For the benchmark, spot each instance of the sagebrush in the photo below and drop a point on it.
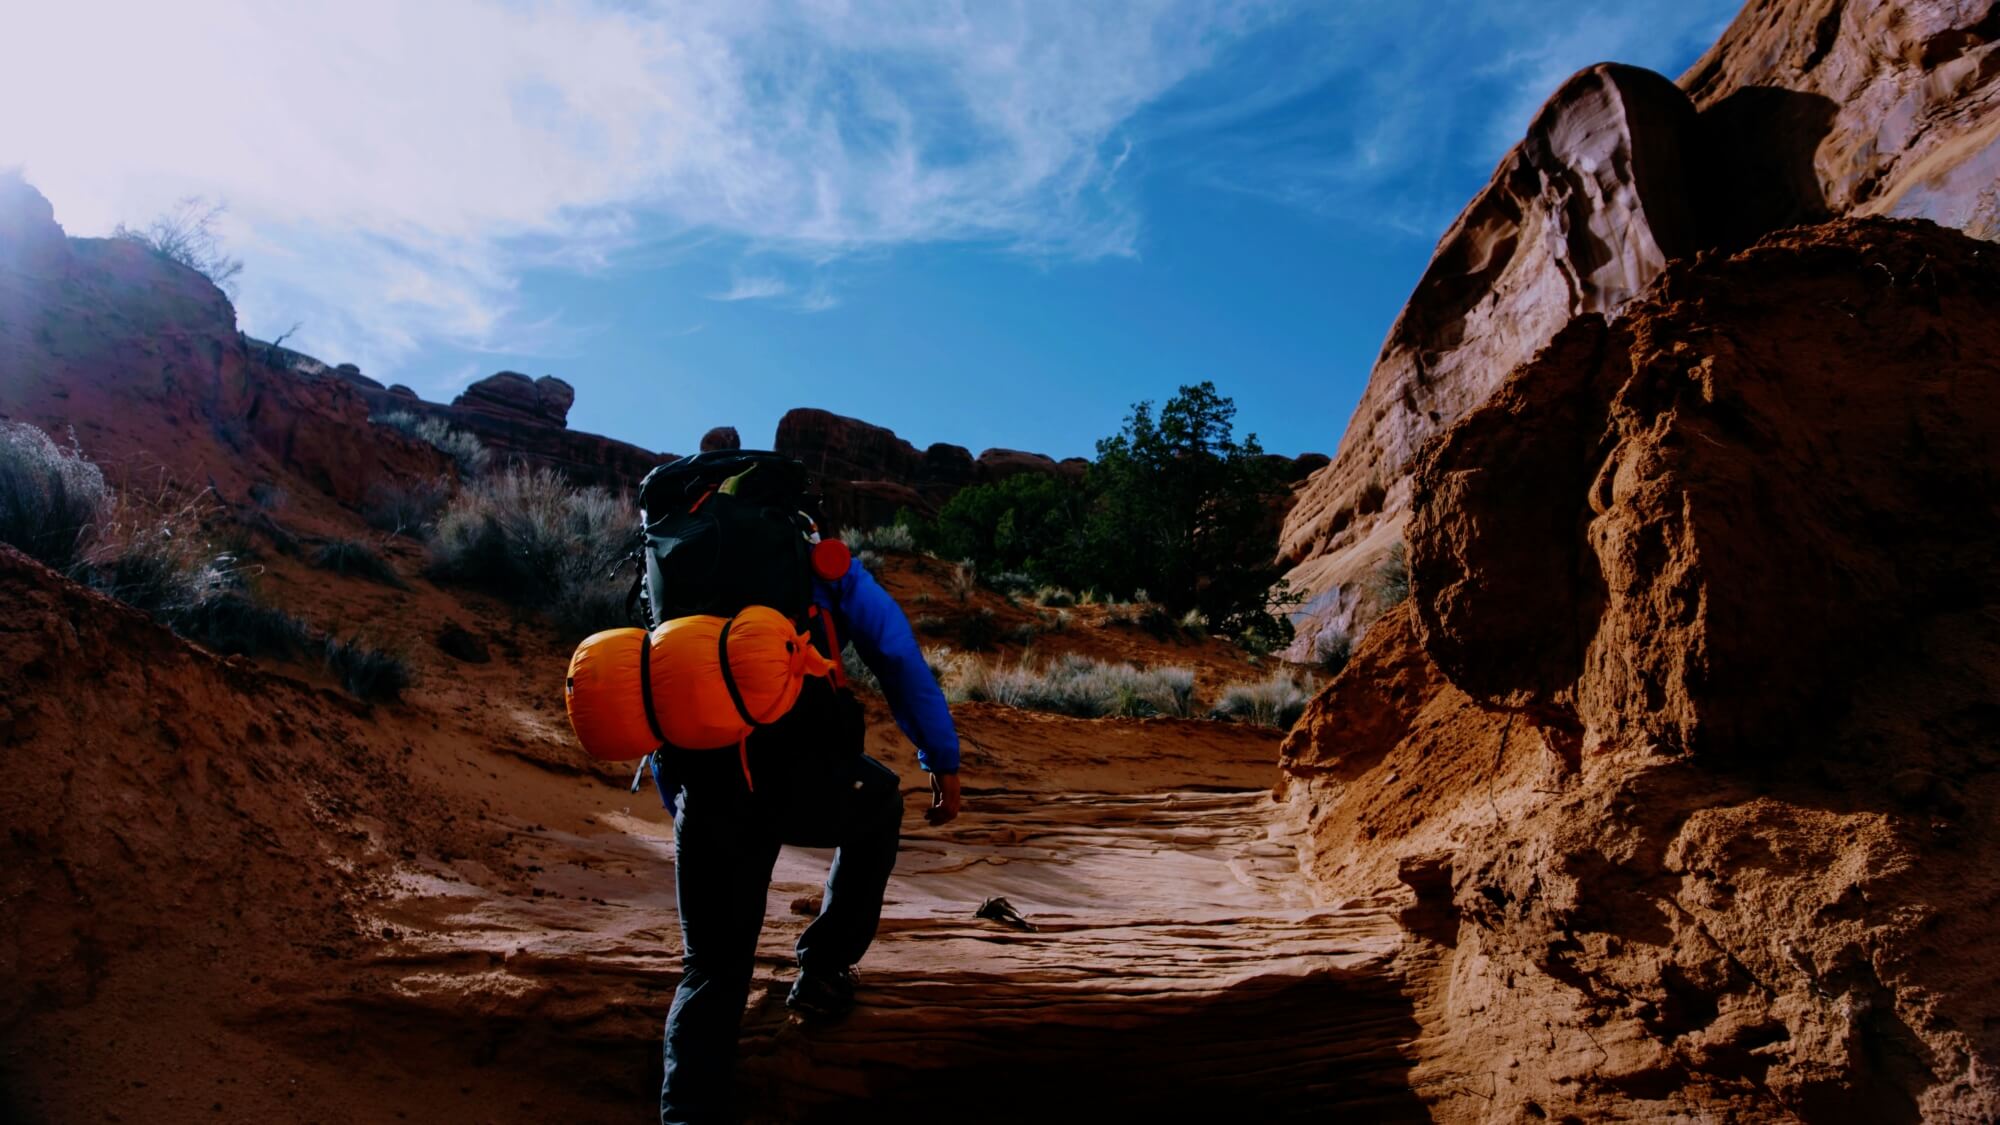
(532, 537)
(51, 497)
(1276, 701)
(471, 454)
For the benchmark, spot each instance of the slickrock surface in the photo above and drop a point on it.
(1684, 748)
(439, 909)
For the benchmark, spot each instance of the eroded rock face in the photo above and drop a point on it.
(525, 419)
(1683, 750)
(143, 356)
(868, 473)
(139, 358)
(1799, 113)
(721, 437)
(1579, 218)
(510, 393)
(1886, 108)
(30, 241)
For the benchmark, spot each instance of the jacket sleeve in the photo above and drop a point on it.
(872, 621)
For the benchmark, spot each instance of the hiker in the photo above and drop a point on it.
(726, 530)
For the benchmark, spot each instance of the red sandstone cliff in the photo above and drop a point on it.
(1684, 747)
(1799, 113)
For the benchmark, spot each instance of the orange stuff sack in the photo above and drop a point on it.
(681, 662)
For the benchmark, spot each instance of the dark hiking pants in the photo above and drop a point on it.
(726, 842)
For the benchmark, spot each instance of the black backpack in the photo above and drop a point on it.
(725, 530)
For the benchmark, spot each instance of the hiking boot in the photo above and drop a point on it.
(821, 996)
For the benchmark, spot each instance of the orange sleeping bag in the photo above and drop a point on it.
(679, 669)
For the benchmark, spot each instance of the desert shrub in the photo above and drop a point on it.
(1275, 701)
(1194, 623)
(940, 661)
(530, 536)
(1055, 597)
(976, 632)
(467, 451)
(888, 537)
(1012, 583)
(1331, 651)
(964, 578)
(405, 509)
(1057, 622)
(234, 623)
(186, 234)
(1389, 586)
(859, 674)
(1024, 633)
(351, 556)
(1075, 685)
(929, 624)
(152, 552)
(50, 497)
(1158, 622)
(367, 673)
(583, 608)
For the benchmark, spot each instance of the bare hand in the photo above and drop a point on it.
(944, 799)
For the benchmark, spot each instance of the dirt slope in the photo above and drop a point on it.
(1685, 749)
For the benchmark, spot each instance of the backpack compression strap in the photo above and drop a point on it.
(646, 689)
(729, 676)
(736, 697)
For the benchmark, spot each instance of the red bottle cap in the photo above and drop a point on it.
(830, 558)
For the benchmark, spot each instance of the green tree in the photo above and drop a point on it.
(1028, 522)
(1186, 511)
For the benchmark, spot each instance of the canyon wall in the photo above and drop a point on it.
(1683, 752)
(1800, 112)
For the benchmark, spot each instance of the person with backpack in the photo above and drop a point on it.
(725, 531)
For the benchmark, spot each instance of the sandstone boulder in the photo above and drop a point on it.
(868, 474)
(1578, 218)
(721, 437)
(512, 394)
(1682, 753)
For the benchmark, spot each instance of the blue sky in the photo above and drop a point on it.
(993, 224)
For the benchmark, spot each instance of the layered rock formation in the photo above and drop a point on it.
(868, 473)
(1799, 113)
(527, 419)
(139, 358)
(1863, 107)
(1684, 748)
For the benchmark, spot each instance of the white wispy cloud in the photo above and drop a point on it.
(818, 299)
(393, 169)
(753, 288)
(1385, 115)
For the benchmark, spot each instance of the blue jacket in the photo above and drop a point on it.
(865, 616)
